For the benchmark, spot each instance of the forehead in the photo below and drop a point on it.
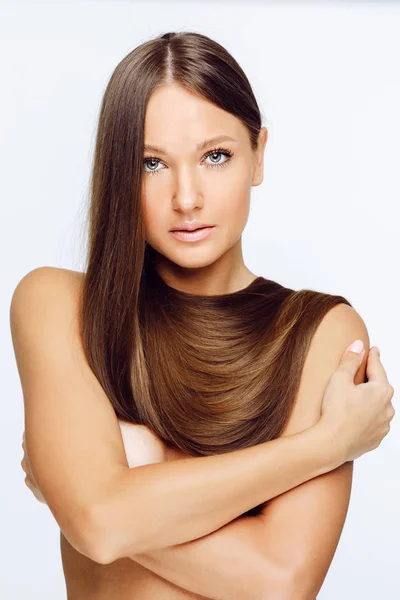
(176, 116)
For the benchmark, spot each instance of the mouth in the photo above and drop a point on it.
(192, 226)
(197, 228)
(193, 235)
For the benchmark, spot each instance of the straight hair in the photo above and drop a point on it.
(208, 374)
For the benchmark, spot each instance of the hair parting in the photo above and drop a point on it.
(208, 374)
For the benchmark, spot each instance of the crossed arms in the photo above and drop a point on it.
(283, 553)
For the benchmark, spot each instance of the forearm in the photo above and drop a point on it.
(161, 505)
(225, 564)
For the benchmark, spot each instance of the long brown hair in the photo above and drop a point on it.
(208, 374)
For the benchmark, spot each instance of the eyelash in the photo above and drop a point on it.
(225, 151)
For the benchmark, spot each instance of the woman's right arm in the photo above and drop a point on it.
(76, 451)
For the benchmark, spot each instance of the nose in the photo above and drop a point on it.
(187, 194)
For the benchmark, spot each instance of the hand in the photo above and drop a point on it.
(29, 479)
(358, 415)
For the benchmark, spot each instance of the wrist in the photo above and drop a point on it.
(329, 444)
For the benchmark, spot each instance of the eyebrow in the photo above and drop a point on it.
(201, 146)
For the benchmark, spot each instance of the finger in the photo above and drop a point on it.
(350, 362)
(375, 370)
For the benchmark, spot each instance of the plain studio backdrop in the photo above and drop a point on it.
(327, 79)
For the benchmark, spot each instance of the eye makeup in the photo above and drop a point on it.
(222, 151)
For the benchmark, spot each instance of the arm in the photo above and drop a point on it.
(105, 509)
(220, 565)
(302, 527)
(71, 433)
(298, 532)
(159, 505)
(225, 564)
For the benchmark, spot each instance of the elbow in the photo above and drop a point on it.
(298, 585)
(287, 584)
(95, 540)
(84, 534)
(105, 538)
(109, 531)
(275, 584)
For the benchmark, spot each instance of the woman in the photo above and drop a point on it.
(169, 335)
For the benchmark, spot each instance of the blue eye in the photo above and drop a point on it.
(216, 151)
(219, 151)
(146, 160)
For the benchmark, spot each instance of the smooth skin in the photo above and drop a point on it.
(184, 564)
(187, 184)
(179, 518)
(359, 415)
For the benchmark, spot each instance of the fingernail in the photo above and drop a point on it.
(377, 349)
(356, 346)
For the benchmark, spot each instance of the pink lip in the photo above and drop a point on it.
(192, 236)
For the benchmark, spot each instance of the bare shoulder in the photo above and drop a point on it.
(340, 326)
(46, 288)
(50, 277)
(341, 323)
(72, 435)
(45, 309)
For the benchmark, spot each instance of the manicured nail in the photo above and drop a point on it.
(356, 346)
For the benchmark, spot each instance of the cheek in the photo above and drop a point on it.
(234, 204)
(155, 220)
(233, 189)
(152, 215)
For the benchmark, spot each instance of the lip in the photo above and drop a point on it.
(192, 236)
(191, 226)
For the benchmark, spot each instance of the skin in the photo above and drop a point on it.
(123, 578)
(142, 447)
(188, 187)
(184, 184)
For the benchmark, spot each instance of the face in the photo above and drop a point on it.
(183, 182)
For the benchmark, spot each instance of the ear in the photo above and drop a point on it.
(258, 174)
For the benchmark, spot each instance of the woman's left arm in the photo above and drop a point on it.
(302, 527)
(227, 563)
(297, 532)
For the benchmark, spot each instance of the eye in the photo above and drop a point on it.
(219, 152)
(214, 153)
(151, 160)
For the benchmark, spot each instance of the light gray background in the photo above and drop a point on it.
(326, 217)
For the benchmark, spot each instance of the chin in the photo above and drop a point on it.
(187, 262)
(189, 255)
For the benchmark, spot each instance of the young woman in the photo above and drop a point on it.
(168, 347)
